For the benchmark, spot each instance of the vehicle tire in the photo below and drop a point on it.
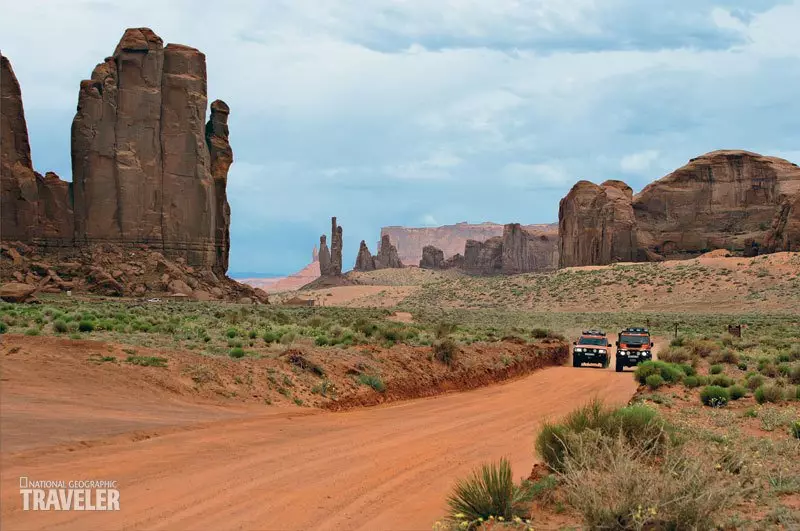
(620, 366)
(605, 363)
(576, 362)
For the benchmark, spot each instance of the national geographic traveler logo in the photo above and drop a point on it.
(75, 495)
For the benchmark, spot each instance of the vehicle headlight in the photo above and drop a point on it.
(602, 351)
(646, 352)
(578, 350)
(623, 352)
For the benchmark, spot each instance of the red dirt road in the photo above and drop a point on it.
(379, 468)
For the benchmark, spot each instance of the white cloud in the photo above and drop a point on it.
(535, 176)
(641, 162)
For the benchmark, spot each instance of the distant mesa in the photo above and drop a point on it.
(149, 174)
(736, 200)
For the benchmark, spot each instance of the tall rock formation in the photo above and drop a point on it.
(483, 258)
(324, 257)
(219, 149)
(336, 248)
(597, 225)
(432, 258)
(364, 261)
(147, 169)
(735, 200)
(387, 257)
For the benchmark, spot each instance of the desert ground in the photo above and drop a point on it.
(362, 413)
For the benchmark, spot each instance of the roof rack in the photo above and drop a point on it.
(593, 333)
(637, 330)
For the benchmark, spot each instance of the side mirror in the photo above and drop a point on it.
(574, 342)
(609, 344)
(617, 344)
(652, 344)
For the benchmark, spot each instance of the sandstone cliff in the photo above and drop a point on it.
(432, 258)
(735, 200)
(451, 239)
(387, 257)
(518, 250)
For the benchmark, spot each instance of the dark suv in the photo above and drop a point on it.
(591, 347)
(634, 347)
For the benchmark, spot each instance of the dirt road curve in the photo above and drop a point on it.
(381, 468)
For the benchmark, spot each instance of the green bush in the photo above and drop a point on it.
(675, 355)
(742, 366)
(654, 381)
(691, 382)
(3, 327)
(640, 425)
(714, 396)
(231, 333)
(737, 392)
(32, 332)
(373, 381)
(271, 336)
(668, 371)
(769, 393)
(445, 350)
(688, 370)
(237, 352)
(784, 369)
(754, 381)
(795, 429)
(489, 492)
(721, 380)
(715, 369)
(86, 326)
(147, 361)
(794, 375)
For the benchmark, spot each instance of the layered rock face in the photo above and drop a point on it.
(387, 257)
(432, 258)
(451, 239)
(516, 251)
(735, 200)
(147, 169)
(364, 261)
(597, 225)
(33, 208)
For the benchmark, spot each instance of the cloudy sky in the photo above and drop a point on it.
(429, 112)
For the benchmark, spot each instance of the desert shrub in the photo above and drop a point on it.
(668, 371)
(691, 382)
(794, 375)
(715, 369)
(638, 424)
(489, 492)
(288, 338)
(769, 393)
(654, 381)
(147, 361)
(784, 357)
(742, 366)
(703, 347)
(784, 369)
(231, 333)
(726, 356)
(86, 326)
(373, 381)
(444, 330)
(252, 335)
(270, 336)
(392, 334)
(675, 355)
(714, 396)
(32, 332)
(794, 429)
(321, 340)
(721, 380)
(688, 370)
(366, 327)
(445, 350)
(768, 369)
(3, 327)
(677, 341)
(754, 381)
(737, 391)
(615, 485)
(236, 352)
(794, 352)
(540, 333)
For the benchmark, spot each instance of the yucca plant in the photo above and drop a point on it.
(489, 491)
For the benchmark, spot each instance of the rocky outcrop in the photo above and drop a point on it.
(387, 257)
(525, 252)
(736, 200)
(483, 258)
(720, 200)
(451, 239)
(324, 257)
(432, 258)
(17, 292)
(597, 225)
(364, 261)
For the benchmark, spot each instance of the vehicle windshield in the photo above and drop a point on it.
(592, 341)
(634, 340)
